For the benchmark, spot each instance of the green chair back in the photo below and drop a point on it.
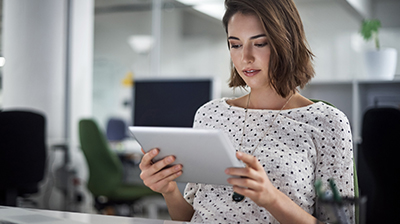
(105, 168)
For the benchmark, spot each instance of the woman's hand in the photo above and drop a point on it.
(254, 183)
(160, 178)
(157, 176)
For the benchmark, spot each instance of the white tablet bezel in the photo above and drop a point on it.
(203, 153)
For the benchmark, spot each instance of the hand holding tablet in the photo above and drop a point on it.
(203, 153)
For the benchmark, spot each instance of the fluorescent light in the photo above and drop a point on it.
(2, 61)
(141, 44)
(213, 8)
(190, 2)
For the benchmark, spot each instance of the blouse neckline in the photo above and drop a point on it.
(224, 99)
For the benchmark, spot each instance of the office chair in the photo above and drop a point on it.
(106, 171)
(116, 129)
(379, 148)
(22, 154)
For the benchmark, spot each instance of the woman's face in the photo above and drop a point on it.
(249, 49)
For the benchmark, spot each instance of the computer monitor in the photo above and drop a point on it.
(170, 102)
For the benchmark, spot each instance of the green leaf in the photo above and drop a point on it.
(369, 27)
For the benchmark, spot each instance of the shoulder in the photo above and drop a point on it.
(320, 116)
(205, 113)
(328, 114)
(322, 112)
(327, 120)
(216, 104)
(214, 112)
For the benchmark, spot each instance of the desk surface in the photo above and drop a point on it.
(13, 215)
(129, 145)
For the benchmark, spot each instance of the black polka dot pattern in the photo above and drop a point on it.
(303, 144)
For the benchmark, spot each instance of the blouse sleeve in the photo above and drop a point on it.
(200, 117)
(333, 141)
(190, 192)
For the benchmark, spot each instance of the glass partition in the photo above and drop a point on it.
(132, 41)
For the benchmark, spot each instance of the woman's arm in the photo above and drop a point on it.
(258, 188)
(286, 211)
(161, 179)
(179, 209)
(334, 159)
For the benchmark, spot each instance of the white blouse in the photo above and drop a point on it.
(302, 145)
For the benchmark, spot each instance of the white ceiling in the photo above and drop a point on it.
(200, 5)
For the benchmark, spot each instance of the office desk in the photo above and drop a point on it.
(129, 145)
(13, 215)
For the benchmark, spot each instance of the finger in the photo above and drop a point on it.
(152, 169)
(244, 183)
(158, 186)
(249, 160)
(248, 192)
(162, 164)
(241, 172)
(147, 159)
(168, 174)
(143, 151)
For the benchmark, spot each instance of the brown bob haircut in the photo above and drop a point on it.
(290, 62)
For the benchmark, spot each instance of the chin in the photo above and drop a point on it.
(257, 85)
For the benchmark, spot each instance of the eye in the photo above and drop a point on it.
(261, 45)
(235, 46)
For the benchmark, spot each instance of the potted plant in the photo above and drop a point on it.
(380, 63)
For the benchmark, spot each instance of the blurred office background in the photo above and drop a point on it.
(102, 46)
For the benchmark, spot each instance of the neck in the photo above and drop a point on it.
(267, 100)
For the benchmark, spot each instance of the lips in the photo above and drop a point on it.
(251, 72)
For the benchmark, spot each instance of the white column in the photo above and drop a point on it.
(81, 66)
(156, 33)
(34, 47)
(42, 54)
(48, 45)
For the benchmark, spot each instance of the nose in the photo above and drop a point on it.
(247, 55)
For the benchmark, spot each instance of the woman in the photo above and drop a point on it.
(286, 141)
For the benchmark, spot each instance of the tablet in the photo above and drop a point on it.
(203, 153)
